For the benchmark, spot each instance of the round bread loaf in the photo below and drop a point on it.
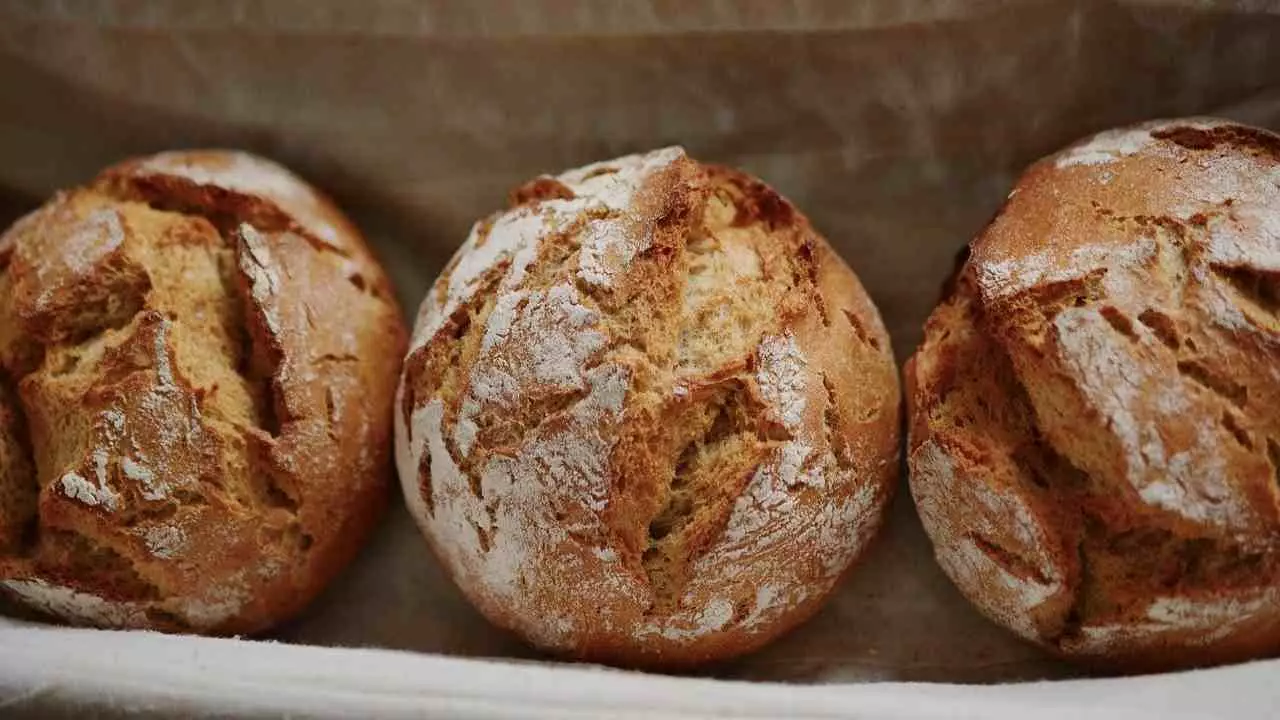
(649, 417)
(198, 358)
(1095, 410)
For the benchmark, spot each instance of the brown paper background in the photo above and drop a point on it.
(898, 127)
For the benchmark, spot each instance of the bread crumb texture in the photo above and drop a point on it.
(648, 417)
(1095, 409)
(197, 364)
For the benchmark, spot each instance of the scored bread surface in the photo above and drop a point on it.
(198, 358)
(1095, 410)
(648, 416)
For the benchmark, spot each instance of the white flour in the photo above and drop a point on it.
(1119, 384)
(941, 498)
(537, 340)
(84, 245)
(258, 267)
(164, 541)
(251, 175)
(607, 244)
(781, 377)
(1105, 147)
(610, 244)
(75, 486)
(1202, 621)
(64, 602)
(998, 279)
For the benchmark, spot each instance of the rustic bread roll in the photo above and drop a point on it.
(1095, 413)
(198, 360)
(649, 416)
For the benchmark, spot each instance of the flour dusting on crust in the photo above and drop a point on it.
(561, 466)
(80, 249)
(1105, 147)
(945, 502)
(610, 244)
(251, 175)
(781, 377)
(999, 279)
(77, 487)
(164, 541)
(773, 516)
(1190, 482)
(258, 267)
(1198, 621)
(60, 601)
(603, 194)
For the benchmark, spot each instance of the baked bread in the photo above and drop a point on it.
(649, 417)
(1095, 413)
(198, 360)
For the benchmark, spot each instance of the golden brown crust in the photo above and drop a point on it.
(650, 417)
(203, 352)
(1094, 434)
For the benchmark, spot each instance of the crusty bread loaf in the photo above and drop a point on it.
(198, 358)
(649, 416)
(1095, 412)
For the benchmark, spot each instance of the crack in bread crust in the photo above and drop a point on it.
(174, 417)
(1137, 353)
(622, 453)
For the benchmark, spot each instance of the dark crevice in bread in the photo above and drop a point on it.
(276, 497)
(729, 423)
(1273, 456)
(836, 433)
(1012, 562)
(1246, 138)
(756, 202)
(19, 488)
(1164, 327)
(380, 291)
(439, 369)
(707, 474)
(543, 188)
(859, 330)
(252, 362)
(721, 317)
(225, 209)
(1232, 423)
(1126, 567)
(164, 511)
(258, 373)
(424, 482)
(1260, 289)
(1211, 380)
(1118, 321)
(114, 311)
(166, 620)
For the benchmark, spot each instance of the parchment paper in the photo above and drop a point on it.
(898, 127)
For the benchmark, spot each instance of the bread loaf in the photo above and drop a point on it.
(648, 417)
(197, 364)
(1095, 412)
